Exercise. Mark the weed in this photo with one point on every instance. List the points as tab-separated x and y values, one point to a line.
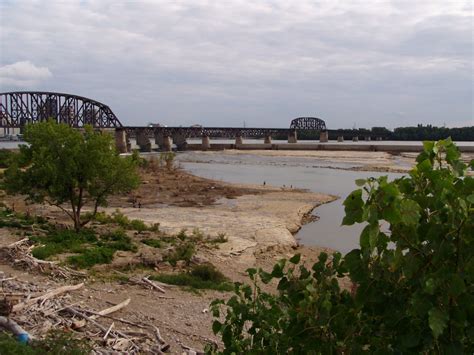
201	277
220	238
155	243
118	240
57	342
182	235
91	257
138	225
184	251
60	241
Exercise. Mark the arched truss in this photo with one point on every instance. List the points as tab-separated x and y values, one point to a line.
308	123
23	107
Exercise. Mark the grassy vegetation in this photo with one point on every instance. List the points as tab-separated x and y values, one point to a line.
57	342
6	157
123	221
204	276
155	243
9	218
183	251
91	249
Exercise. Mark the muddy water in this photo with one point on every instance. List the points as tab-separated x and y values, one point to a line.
300	173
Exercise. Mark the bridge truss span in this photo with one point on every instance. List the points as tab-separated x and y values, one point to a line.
308	123
19	108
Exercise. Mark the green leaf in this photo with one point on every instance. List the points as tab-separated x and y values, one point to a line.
437	320
410	212
360	182
216	326
295	259
353	207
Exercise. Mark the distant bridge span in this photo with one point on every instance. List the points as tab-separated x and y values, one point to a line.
19	108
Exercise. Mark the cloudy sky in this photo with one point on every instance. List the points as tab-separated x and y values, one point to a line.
222	63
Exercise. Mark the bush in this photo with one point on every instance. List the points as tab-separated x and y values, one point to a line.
413	285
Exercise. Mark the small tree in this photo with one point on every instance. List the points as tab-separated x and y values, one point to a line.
67	166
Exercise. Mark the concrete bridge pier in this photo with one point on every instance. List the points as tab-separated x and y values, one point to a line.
292	137
379	138
206	144
268	139
180	140
355	139
143	141
239	140
163	142
121	140
340	139
323	136
367	138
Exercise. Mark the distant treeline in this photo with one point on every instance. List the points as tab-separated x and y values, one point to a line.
417	133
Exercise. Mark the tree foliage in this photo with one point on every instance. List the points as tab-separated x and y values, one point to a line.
412	276
67	167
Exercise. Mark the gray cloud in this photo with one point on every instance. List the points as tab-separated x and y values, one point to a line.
23	74
220	63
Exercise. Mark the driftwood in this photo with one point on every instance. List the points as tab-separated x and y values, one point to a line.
154	285
47	295
81	323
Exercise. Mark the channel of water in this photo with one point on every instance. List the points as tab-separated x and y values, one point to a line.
299	173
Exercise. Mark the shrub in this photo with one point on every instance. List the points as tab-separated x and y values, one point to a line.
155	243
118	240
413	285
184	251
91	257
200	277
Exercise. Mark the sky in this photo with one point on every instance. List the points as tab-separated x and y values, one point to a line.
230	63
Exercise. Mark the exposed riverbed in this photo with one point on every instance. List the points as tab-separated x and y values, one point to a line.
323	174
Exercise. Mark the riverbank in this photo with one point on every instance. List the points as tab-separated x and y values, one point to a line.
257	221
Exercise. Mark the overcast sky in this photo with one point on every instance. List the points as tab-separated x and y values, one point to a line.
222	63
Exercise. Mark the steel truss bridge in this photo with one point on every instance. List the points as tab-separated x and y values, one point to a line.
19	108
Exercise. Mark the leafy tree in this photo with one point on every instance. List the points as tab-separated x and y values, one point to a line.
67	166
412	277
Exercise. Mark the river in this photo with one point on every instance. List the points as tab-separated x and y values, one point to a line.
300	172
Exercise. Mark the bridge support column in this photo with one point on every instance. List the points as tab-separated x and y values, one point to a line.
238	140
121	140
167	144
143	141
323	136
367	138
292	137
340	139
355	139
180	140
379	138
268	139
206	144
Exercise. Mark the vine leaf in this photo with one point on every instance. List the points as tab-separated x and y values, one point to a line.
437	320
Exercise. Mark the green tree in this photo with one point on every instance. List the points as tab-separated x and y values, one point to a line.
412	276
65	166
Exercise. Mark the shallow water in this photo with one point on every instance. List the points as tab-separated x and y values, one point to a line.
305	173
